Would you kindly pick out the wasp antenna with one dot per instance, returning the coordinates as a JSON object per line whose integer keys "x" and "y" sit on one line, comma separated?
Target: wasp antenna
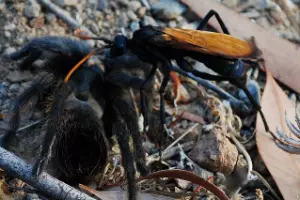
{"x": 78, "y": 65}
{"x": 82, "y": 35}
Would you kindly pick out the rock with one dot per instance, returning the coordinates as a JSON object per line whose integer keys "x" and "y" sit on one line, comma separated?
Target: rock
{"x": 172, "y": 24}
{"x": 134, "y": 26}
{"x": 17, "y": 76}
{"x": 134, "y": 5}
{"x": 38, "y": 22}
{"x": 215, "y": 152}
{"x": 149, "y": 21}
{"x": 168, "y": 9}
{"x": 32, "y": 9}
{"x": 123, "y": 2}
{"x": 14, "y": 87}
{"x": 7, "y": 34}
{"x": 123, "y": 20}
{"x": 50, "y": 18}
{"x": 9, "y": 27}
{"x": 66, "y": 2}
{"x": 131, "y": 15}
{"x": 142, "y": 11}
{"x": 102, "y": 5}
{"x": 8, "y": 51}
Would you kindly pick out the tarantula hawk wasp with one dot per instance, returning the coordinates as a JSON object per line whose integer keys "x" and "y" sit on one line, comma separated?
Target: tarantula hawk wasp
{"x": 222, "y": 53}
{"x": 81, "y": 106}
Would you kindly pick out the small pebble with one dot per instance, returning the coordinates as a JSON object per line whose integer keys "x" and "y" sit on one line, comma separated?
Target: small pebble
{"x": 66, "y": 2}
{"x": 14, "y": 87}
{"x": 32, "y": 9}
{"x": 142, "y": 11}
{"x": 134, "y": 26}
{"x": 123, "y": 20}
{"x": 9, "y": 27}
{"x": 7, "y": 34}
{"x": 8, "y": 51}
{"x": 131, "y": 15}
{"x": 102, "y": 5}
{"x": 134, "y": 5}
{"x": 149, "y": 21}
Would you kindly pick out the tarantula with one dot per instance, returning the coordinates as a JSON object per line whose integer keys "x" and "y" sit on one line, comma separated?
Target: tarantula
{"x": 82, "y": 108}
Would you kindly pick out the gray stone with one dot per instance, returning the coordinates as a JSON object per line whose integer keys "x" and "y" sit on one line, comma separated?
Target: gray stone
{"x": 134, "y": 26}
{"x": 66, "y": 2}
{"x": 149, "y": 21}
{"x": 17, "y": 76}
{"x": 123, "y": 20}
{"x": 9, "y": 27}
{"x": 32, "y": 9}
{"x": 102, "y": 5}
{"x": 50, "y": 18}
{"x": 134, "y": 5}
{"x": 8, "y": 51}
{"x": 14, "y": 87}
{"x": 7, "y": 34}
{"x": 168, "y": 9}
{"x": 131, "y": 15}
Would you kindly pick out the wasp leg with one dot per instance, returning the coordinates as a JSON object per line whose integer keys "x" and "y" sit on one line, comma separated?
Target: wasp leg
{"x": 142, "y": 95}
{"x": 35, "y": 91}
{"x": 236, "y": 82}
{"x": 60, "y": 96}
{"x": 210, "y": 14}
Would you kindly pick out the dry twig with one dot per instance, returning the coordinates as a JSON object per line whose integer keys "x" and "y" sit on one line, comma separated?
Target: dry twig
{"x": 45, "y": 183}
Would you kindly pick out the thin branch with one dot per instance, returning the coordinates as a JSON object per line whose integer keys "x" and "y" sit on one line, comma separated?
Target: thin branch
{"x": 65, "y": 16}
{"x": 45, "y": 183}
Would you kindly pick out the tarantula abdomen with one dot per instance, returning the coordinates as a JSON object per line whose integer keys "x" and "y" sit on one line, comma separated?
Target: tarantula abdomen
{"x": 81, "y": 148}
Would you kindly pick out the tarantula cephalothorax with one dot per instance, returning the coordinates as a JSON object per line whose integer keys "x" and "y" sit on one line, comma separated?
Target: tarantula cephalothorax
{"x": 75, "y": 108}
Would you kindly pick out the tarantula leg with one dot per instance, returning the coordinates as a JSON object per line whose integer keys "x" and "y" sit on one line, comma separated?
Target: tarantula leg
{"x": 162, "y": 88}
{"x": 61, "y": 94}
{"x": 121, "y": 131}
{"x": 209, "y": 15}
{"x": 34, "y": 91}
{"x": 142, "y": 95}
{"x": 292, "y": 127}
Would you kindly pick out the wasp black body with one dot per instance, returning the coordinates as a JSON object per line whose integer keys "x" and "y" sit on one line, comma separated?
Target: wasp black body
{"x": 160, "y": 46}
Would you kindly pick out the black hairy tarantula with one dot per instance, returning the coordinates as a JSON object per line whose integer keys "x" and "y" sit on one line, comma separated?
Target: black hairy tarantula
{"x": 83, "y": 108}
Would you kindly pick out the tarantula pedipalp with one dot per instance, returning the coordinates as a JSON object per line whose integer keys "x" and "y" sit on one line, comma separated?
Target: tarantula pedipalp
{"x": 77, "y": 107}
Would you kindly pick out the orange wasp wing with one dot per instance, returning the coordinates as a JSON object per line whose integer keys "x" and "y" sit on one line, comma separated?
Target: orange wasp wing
{"x": 205, "y": 42}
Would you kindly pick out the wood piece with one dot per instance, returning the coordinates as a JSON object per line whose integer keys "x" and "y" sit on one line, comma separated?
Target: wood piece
{"x": 282, "y": 57}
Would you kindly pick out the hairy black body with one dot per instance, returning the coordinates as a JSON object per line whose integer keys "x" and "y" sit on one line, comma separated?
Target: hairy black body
{"x": 80, "y": 113}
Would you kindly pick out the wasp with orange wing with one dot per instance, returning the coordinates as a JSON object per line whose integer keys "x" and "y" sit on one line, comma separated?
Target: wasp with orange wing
{"x": 159, "y": 46}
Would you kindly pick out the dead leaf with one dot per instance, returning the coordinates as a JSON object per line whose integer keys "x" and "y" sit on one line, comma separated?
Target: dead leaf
{"x": 284, "y": 167}
{"x": 282, "y": 56}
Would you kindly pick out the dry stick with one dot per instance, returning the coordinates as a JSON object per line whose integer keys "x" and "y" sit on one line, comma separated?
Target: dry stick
{"x": 284, "y": 5}
{"x": 65, "y": 16}
{"x": 44, "y": 183}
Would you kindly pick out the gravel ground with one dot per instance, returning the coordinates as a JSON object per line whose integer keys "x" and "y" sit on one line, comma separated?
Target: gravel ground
{"x": 21, "y": 21}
